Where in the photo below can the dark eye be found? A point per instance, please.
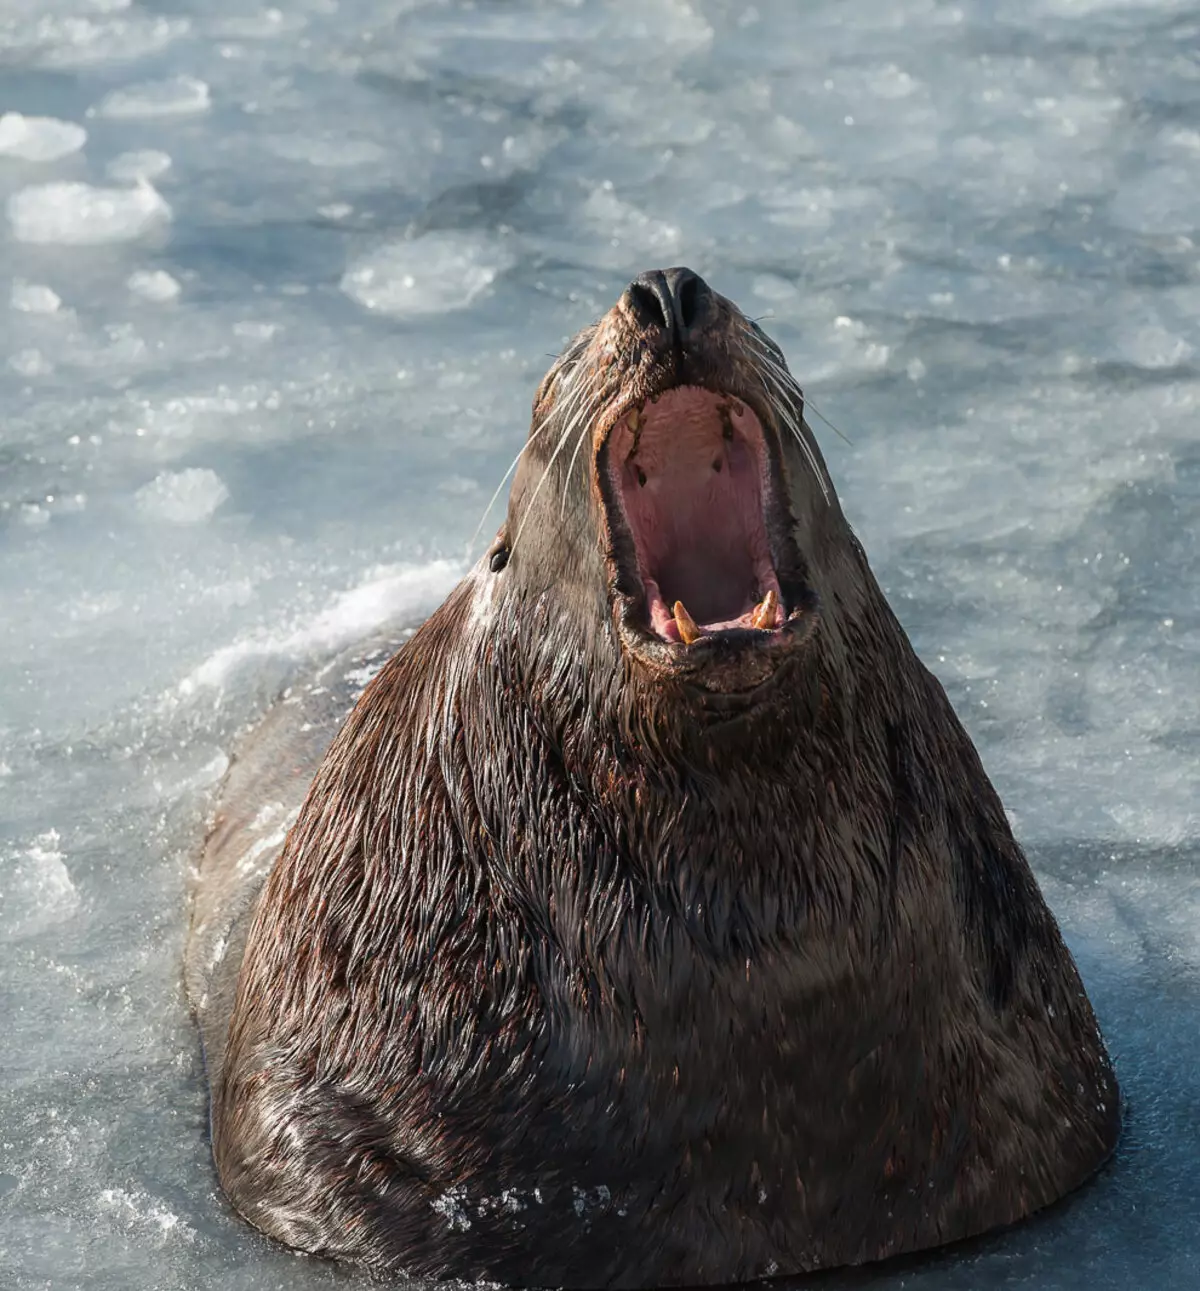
(499, 560)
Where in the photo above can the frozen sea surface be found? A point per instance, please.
(276, 287)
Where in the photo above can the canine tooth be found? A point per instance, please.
(766, 613)
(635, 420)
(688, 631)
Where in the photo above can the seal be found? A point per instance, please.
(651, 919)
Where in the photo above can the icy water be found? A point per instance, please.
(276, 287)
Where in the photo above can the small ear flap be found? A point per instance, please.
(498, 553)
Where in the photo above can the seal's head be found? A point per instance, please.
(670, 464)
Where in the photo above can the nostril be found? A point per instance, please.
(687, 293)
(648, 307)
(670, 301)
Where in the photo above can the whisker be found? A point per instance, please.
(503, 481)
(808, 403)
(583, 435)
(590, 403)
(569, 409)
(780, 387)
(562, 441)
(769, 358)
(580, 403)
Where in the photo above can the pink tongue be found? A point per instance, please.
(690, 471)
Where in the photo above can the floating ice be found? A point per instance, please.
(73, 214)
(31, 363)
(1152, 346)
(388, 595)
(1160, 201)
(145, 163)
(182, 497)
(333, 154)
(632, 234)
(154, 284)
(263, 25)
(39, 138)
(33, 298)
(36, 890)
(179, 96)
(139, 1212)
(1007, 226)
(81, 40)
(249, 329)
(433, 274)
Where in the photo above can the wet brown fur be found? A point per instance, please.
(582, 968)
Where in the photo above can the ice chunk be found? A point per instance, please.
(73, 214)
(33, 298)
(36, 890)
(139, 1213)
(389, 594)
(434, 274)
(70, 40)
(1152, 346)
(332, 154)
(182, 497)
(30, 363)
(252, 330)
(154, 284)
(264, 25)
(176, 97)
(1159, 201)
(39, 138)
(144, 163)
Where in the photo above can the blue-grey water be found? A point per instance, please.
(276, 287)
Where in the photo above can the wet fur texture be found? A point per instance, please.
(576, 972)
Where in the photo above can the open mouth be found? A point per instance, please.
(691, 474)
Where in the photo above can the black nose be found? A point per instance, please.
(672, 299)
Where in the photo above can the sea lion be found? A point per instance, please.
(651, 920)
